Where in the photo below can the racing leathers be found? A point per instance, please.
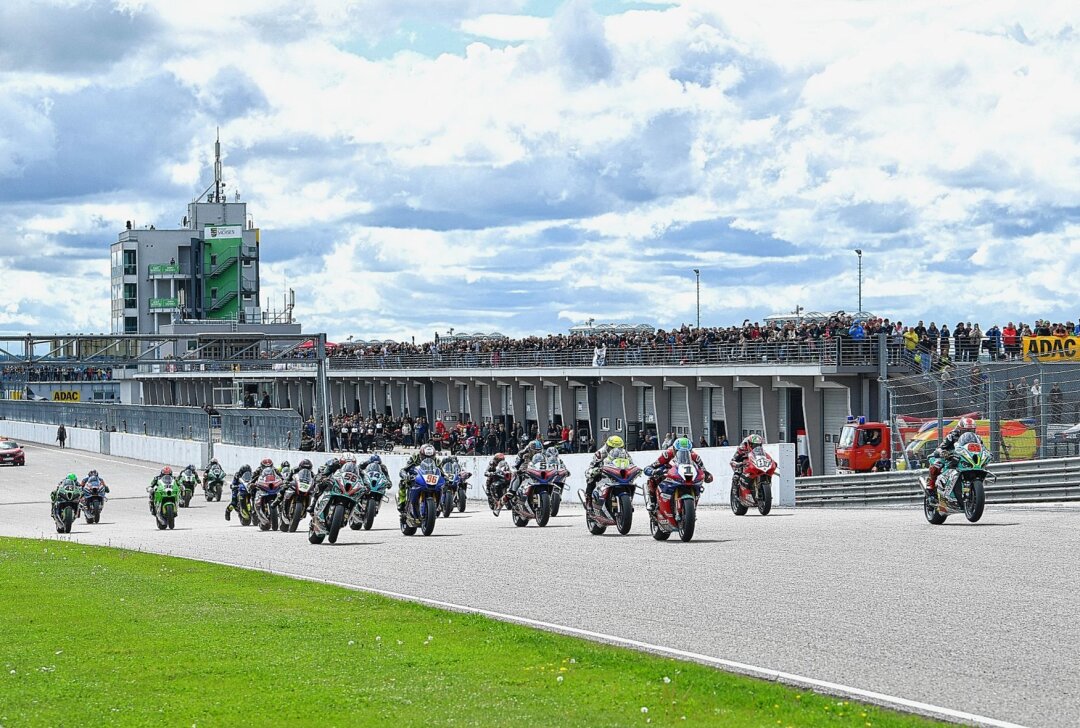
(521, 464)
(496, 485)
(738, 460)
(235, 488)
(945, 451)
(596, 467)
(406, 474)
(658, 469)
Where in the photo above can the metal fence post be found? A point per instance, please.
(940, 410)
(1043, 405)
(993, 413)
(884, 408)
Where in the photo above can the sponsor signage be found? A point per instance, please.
(162, 269)
(1052, 348)
(163, 303)
(65, 396)
(223, 232)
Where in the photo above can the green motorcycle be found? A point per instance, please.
(188, 482)
(66, 506)
(961, 485)
(166, 501)
(335, 506)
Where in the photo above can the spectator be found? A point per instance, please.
(61, 435)
(265, 400)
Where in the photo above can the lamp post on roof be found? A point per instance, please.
(858, 252)
(697, 283)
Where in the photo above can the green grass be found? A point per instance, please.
(98, 636)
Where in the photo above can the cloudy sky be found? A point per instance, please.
(523, 165)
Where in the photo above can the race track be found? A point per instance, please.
(981, 619)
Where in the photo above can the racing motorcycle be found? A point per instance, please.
(612, 501)
(420, 500)
(213, 483)
(552, 456)
(363, 516)
(243, 499)
(296, 499)
(166, 501)
(93, 499)
(188, 480)
(335, 505)
(677, 499)
(961, 484)
(497, 485)
(265, 508)
(753, 487)
(66, 508)
(533, 499)
(452, 494)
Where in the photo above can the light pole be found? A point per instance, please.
(858, 252)
(697, 282)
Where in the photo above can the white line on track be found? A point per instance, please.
(86, 454)
(822, 686)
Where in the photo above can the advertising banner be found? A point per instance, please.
(164, 303)
(1052, 348)
(223, 232)
(164, 268)
(65, 396)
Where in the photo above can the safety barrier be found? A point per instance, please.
(190, 423)
(1034, 481)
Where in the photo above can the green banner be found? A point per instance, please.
(163, 268)
(163, 303)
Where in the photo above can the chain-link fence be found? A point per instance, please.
(186, 423)
(271, 428)
(1023, 409)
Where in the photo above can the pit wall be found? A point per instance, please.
(178, 453)
(163, 450)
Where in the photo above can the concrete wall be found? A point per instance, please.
(162, 450)
(77, 437)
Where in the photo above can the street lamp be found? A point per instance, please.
(697, 281)
(858, 252)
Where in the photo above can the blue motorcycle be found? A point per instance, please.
(93, 499)
(452, 494)
(420, 508)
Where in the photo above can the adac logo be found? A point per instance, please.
(1051, 348)
(65, 396)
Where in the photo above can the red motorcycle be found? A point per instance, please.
(753, 487)
(677, 499)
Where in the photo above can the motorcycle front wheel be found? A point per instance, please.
(446, 505)
(428, 524)
(688, 520)
(369, 515)
(297, 514)
(764, 501)
(975, 501)
(461, 501)
(337, 519)
(543, 510)
(556, 501)
(624, 519)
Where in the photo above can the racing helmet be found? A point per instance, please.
(614, 442)
(93, 474)
(965, 424)
(267, 463)
(166, 471)
(71, 477)
(374, 459)
(285, 464)
(427, 450)
(245, 468)
(499, 457)
(536, 445)
(752, 441)
(305, 463)
(683, 444)
(213, 461)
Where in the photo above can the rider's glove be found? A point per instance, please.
(708, 477)
(648, 471)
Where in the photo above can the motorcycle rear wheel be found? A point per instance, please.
(594, 528)
(624, 519)
(737, 506)
(658, 533)
(520, 522)
(930, 510)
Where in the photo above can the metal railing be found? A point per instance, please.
(186, 423)
(257, 427)
(843, 352)
(1036, 481)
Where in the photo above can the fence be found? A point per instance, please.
(1045, 481)
(841, 352)
(185, 423)
(1025, 410)
(270, 428)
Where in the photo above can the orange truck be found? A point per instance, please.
(862, 446)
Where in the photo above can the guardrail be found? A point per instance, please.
(1035, 481)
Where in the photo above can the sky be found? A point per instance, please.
(522, 166)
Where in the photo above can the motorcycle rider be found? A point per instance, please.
(245, 469)
(657, 470)
(265, 466)
(165, 471)
(210, 466)
(738, 460)
(531, 450)
(426, 451)
(91, 475)
(946, 451)
(596, 465)
(70, 480)
(496, 488)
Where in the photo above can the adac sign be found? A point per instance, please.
(65, 396)
(1052, 348)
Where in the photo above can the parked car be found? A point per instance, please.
(12, 452)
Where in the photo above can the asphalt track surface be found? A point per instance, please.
(980, 619)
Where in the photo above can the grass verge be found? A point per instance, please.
(103, 636)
